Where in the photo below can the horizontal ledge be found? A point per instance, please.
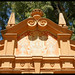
(67, 57)
(37, 57)
(64, 34)
(58, 69)
(6, 56)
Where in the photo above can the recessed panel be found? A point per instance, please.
(37, 44)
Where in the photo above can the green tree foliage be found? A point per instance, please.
(4, 11)
(4, 7)
(51, 11)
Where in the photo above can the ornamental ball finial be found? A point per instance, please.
(37, 12)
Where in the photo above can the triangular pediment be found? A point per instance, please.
(51, 26)
(36, 22)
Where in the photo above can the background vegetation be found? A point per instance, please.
(51, 10)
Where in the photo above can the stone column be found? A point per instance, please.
(7, 57)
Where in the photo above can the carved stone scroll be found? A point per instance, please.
(31, 24)
(42, 24)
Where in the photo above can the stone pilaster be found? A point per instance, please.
(10, 42)
(64, 43)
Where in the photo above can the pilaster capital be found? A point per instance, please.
(64, 36)
(10, 36)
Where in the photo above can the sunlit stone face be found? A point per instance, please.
(37, 44)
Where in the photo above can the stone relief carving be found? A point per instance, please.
(42, 64)
(22, 64)
(32, 64)
(34, 22)
(52, 64)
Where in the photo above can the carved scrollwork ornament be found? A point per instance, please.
(31, 22)
(42, 23)
(22, 64)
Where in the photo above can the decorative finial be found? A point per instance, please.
(37, 12)
(62, 21)
(11, 21)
